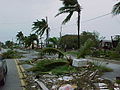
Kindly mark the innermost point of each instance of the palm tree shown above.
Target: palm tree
(32, 38)
(116, 9)
(20, 37)
(40, 27)
(70, 6)
(54, 41)
(9, 44)
(29, 40)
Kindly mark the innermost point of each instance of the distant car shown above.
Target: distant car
(3, 70)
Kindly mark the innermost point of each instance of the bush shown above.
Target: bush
(63, 70)
(112, 55)
(49, 45)
(57, 67)
(118, 81)
(74, 53)
(86, 49)
(96, 53)
(11, 54)
(47, 65)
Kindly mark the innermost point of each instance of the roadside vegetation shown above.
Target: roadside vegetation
(11, 54)
(113, 54)
(60, 48)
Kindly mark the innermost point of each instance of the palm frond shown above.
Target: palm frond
(41, 31)
(61, 12)
(67, 8)
(54, 51)
(69, 2)
(116, 9)
(68, 18)
(40, 26)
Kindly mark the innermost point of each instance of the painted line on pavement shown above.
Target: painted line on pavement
(21, 74)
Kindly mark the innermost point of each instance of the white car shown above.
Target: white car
(3, 71)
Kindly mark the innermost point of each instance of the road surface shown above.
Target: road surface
(12, 79)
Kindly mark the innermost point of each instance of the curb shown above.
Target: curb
(21, 74)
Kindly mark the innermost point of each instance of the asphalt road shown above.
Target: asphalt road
(114, 74)
(12, 79)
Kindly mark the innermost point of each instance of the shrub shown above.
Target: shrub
(113, 55)
(47, 65)
(57, 67)
(85, 50)
(63, 70)
(118, 81)
(50, 45)
(11, 54)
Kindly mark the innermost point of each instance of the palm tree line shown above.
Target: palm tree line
(27, 41)
(41, 26)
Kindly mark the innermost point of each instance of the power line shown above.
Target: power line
(96, 17)
(88, 20)
(71, 24)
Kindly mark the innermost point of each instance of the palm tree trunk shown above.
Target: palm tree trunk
(78, 29)
(47, 33)
(47, 37)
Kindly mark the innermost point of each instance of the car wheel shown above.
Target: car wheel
(2, 82)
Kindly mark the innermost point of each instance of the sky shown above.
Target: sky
(19, 15)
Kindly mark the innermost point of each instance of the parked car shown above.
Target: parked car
(3, 70)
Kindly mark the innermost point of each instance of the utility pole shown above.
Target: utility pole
(61, 31)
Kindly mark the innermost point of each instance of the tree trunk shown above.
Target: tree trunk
(32, 45)
(78, 29)
(47, 33)
(47, 37)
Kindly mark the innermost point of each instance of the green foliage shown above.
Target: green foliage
(9, 44)
(116, 9)
(95, 53)
(10, 54)
(54, 41)
(70, 41)
(40, 27)
(70, 6)
(29, 40)
(108, 54)
(89, 35)
(101, 67)
(2, 45)
(74, 53)
(60, 70)
(57, 67)
(85, 50)
(54, 51)
(118, 81)
(47, 65)
(20, 37)
(117, 49)
(114, 55)
(49, 45)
